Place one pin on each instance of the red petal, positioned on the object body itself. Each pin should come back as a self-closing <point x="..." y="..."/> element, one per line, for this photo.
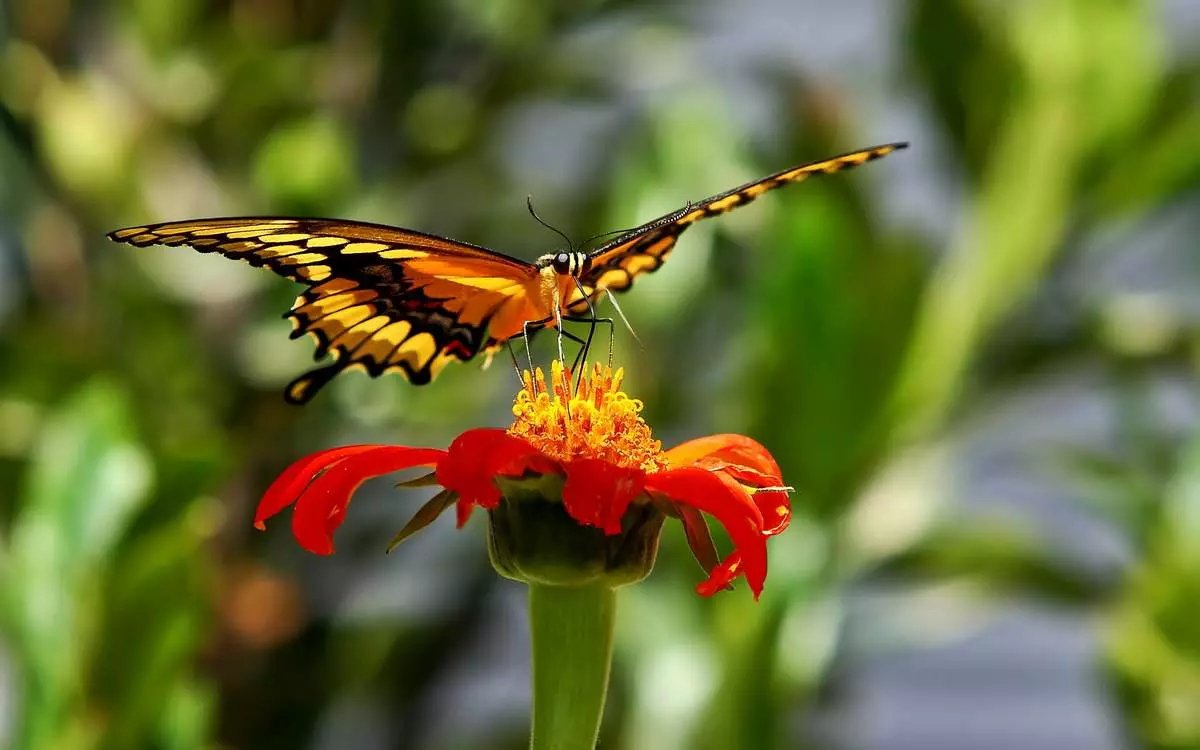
<point x="476" y="457"/>
<point x="744" y="475"/>
<point x="722" y="498"/>
<point x="776" y="509"/>
<point x="735" y="450"/>
<point x="288" y="486"/>
<point x="721" y="576"/>
<point x="597" y="493"/>
<point x="322" y="504"/>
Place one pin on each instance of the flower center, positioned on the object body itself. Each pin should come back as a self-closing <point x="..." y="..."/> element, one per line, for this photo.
<point x="597" y="420"/>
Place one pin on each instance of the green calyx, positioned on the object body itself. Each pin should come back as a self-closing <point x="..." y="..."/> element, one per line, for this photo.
<point x="532" y="539"/>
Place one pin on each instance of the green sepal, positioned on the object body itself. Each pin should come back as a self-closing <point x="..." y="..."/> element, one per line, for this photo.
<point x="423" y="517"/>
<point x="427" y="480"/>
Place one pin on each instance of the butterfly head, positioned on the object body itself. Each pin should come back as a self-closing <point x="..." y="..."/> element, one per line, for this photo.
<point x="565" y="263"/>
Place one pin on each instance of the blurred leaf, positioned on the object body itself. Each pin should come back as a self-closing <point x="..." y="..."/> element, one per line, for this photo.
<point x="1002" y="561"/>
<point x="832" y="315"/>
<point x="86" y="479"/>
<point x="1163" y="159"/>
<point x="959" y="52"/>
<point x="306" y="163"/>
<point x="187" y="720"/>
<point x="154" y="617"/>
<point x="1111" y="486"/>
<point x="1017" y="220"/>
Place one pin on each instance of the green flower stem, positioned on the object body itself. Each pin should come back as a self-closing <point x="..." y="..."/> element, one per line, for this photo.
<point x="572" y="631"/>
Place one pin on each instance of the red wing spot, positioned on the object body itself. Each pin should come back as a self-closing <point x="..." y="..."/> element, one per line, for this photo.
<point x="459" y="348"/>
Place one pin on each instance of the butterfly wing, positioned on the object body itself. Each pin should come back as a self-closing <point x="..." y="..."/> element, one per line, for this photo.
<point x="615" y="265"/>
<point x="380" y="298"/>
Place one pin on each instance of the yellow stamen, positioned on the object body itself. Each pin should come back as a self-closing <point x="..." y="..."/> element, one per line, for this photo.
<point x="597" y="420"/>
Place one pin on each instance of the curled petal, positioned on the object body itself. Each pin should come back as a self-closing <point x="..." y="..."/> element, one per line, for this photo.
<point x="476" y="457"/>
<point x="776" y="509"/>
<point x="732" y="451"/>
<point x="743" y="474"/>
<point x="722" y="498"/>
<point x="321" y="506"/>
<point x="721" y="576"/>
<point x="287" y="486"/>
<point x="597" y="493"/>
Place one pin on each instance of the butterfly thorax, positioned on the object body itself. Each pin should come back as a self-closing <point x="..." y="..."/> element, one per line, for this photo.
<point x="564" y="263"/>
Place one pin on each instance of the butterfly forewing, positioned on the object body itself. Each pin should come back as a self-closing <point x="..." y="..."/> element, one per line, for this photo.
<point x="616" y="265"/>
<point x="379" y="298"/>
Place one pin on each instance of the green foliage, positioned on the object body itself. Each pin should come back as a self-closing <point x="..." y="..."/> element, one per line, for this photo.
<point x="83" y="601"/>
<point x="141" y="420"/>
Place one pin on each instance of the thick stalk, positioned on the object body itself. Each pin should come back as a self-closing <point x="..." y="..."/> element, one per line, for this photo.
<point x="572" y="632"/>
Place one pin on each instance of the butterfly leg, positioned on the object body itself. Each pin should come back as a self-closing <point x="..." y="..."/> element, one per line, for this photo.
<point x="558" y="320"/>
<point x="592" y="322"/>
<point x="513" y="356"/>
<point x="525" y="335"/>
<point x="586" y="345"/>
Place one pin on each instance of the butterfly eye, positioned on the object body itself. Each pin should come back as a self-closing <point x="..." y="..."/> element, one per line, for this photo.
<point x="562" y="263"/>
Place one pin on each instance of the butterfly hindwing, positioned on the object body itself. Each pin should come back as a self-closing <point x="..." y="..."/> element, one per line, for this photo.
<point x="616" y="264"/>
<point x="379" y="298"/>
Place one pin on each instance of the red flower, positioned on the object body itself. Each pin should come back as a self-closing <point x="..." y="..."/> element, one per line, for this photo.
<point x="595" y="438"/>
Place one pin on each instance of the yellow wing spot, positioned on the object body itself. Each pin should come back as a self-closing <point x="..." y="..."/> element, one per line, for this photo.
<point x="276" y="251"/>
<point x="232" y="231"/>
<point x="334" y="302"/>
<point x="335" y="286"/>
<point x="247" y="234"/>
<point x="277" y="238"/>
<point x="662" y="247"/>
<point x="314" y="273"/>
<point x="349" y="339"/>
<point x="694" y="216"/>
<point x="146" y="238"/>
<point x="299" y="388"/>
<point x="613" y="279"/>
<point x="301" y="259"/>
<point x="401" y="253"/>
<point x="238" y="247"/>
<point x="181" y="228"/>
<point x="725" y="203"/>
<point x="797" y="175"/>
<point x="363" y="247"/>
<point x="335" y="323"/>
<point x="315" y="242"/>
<point x="439" y="363"/>
<point x="202" y="241"/>
<point x="123" y="233"/>
<point x="417" y="350"/>
<point x="756" y="190"/>
<point x="381" y="345"/>
<point x="641" y="263"/>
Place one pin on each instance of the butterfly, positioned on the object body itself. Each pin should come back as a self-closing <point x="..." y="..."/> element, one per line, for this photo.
<point x="385" y="299"/>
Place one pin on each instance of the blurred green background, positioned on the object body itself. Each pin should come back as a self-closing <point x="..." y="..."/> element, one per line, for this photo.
<point x="976" y="361"/>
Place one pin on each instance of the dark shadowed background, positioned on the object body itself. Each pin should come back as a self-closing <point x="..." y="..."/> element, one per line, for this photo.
<point x="975" y="360"/>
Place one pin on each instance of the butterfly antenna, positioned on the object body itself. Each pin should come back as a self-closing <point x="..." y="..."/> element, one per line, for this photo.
<point x="613" y="299"/>
<point x="538" y="219"/>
